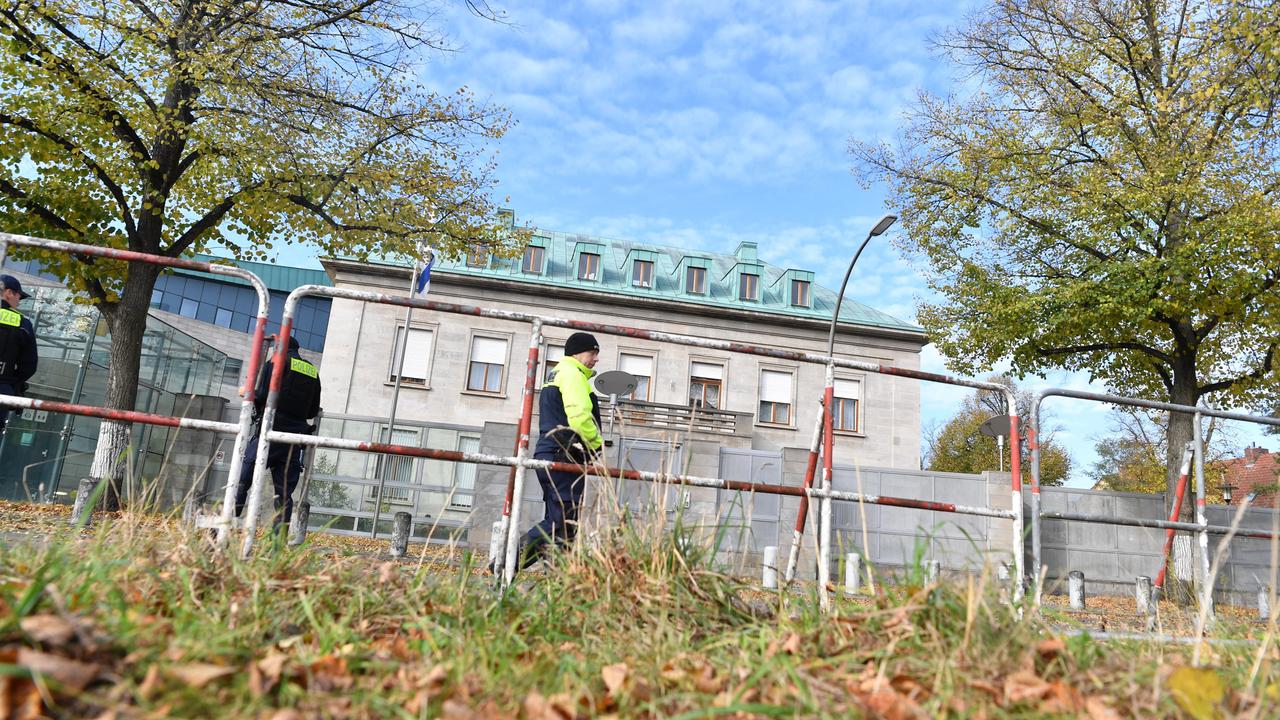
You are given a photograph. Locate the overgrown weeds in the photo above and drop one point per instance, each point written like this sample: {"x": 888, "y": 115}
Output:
{"x": 144, "y": 620}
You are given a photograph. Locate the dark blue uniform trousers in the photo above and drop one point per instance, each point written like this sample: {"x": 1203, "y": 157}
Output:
{"x": 285, "y": 463}
{"x": 6, "y": 388}
{"x": 562, "y": 496}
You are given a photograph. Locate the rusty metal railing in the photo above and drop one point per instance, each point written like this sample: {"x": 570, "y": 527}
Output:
{"x": 241, "y": 430}
{"x": 1201, "y": 527}
{"x": 515, "y": 488}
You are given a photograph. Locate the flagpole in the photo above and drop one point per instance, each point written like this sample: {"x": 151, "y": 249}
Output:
{"x": 414, "y": 274}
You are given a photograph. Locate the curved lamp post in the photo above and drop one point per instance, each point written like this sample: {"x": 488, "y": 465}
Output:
{"x": 828, "y": 439}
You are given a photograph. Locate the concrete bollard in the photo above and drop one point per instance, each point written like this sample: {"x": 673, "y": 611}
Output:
{"x": 1075, "y": 589}
{"x": 191, "y": 508}
{"x": 400, "y": 528}
{"x": 298, "y": 524}
{"x": 852, "y": 573}
{"x": 82, "y": 507}
{"x": 496, "y": 543}
{"x": 1264, "y": 603}
{"x": 1142, "y": 595}
{"x": 769, "y": 574}
{"x": 935, "y": 570}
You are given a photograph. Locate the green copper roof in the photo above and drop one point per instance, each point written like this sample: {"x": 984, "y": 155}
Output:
{"x": 560, "y": 268}
{"x": 278, "y": 278}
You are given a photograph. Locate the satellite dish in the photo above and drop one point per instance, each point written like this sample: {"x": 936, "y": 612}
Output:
{"x": 996, "y": 426}
{"x": 615, "y": 382}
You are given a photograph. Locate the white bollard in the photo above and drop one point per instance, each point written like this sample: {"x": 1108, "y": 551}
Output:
{"x": 495, "y": 548}
{"x": 1142, "y": 595}
{"x": 935, "y": 570}
{"x": 852, "y": 573}
{"x": 1264, "y": 603}
{"x": 1075, "y": 588}
{"x": 770, "y": 572}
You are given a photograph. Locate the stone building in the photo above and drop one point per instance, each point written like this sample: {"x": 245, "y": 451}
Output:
{"x": 704, "y": 412}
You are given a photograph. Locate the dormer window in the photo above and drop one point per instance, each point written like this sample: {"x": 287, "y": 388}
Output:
{"x": 748, "y": 285}
{"x": 642, "y": 273}
{"x": 533, "y": 257}
{"x": 800, "y": 293}
{"x": 588, "y": 266}
{"x": 478, "y": 256}
{"x": 695, "y": 281}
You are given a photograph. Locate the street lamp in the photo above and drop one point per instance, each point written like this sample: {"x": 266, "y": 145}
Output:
{"x": 879, "y": 229}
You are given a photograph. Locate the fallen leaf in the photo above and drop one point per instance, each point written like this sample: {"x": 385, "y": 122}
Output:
{"x": 1062, "y": 699}
{"x": 70, "y": 674}
{"x": 1099, "y": 710}
{"x": 1198, "y": 691}
{"x": 614, "y": 676}
{"x": 286, "y": 714}
{"x": 330, "y": 673}
{"x": 537, "y": 707}
{"x": 149, "y": 682}
{"x": 909, "y": 687}
{"x": 454, "y": 710}
{"x": 1050, "y": 649}
{"x": 19, "y": 699}
{"x": 48, "y": 629}
{"x": 791, "y": 645}
{"x": 1023, "y": 686}
{"x": 891, "y": 705}
{"x": 197, "y": 675}
{"x": 272, "y": 666}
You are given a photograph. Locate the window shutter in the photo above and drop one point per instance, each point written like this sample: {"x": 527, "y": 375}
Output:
{"x": 711, "y": 371}
{"x": 636, "y": 365}
{"x": 849, "y": 389}
{"x": 775, "y": 386}
{"x": 489, "y": 350}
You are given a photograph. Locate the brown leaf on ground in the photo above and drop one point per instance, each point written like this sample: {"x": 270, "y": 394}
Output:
{"x": 909, "y": 687}
{"x": 197, "y": 675}
{"x": 1062, "y": 699}
{"x": 286, "y": 714}
{"x": 792, "y": 644}
{"x": 1024, "y": 686}
{"x": 615, "y": 677}
{"x": 1099, "y": 710}
{"x": 19, "y": 698}
{"x": 149, "y": 682}
{"x": 71, "y": 674}
{"x": 1050, "y": 649}
{"x": 454, "y": 710}
{"x": 537, "y": 707}
{"x": 48, "y": 629}
{"x": 330, "y": 673}
{"x": 272, "y": 667}
{"x": 891, "y": 705}
{"x": 987, "y": 687}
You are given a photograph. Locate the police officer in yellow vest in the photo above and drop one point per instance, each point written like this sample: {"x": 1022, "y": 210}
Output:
{"x": 299, "y": 403}
{"x": 569, "y": 431}
{"x": 18, "y": 357}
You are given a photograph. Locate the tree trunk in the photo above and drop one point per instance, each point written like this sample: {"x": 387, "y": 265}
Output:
{"x": 127, "y": 321}
{"x": 1180, "y": 587}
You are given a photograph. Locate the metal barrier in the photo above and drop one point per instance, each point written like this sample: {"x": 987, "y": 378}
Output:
{"x": 515, "y": 487}
{"x": 241, "y": 430}
{"x": 1201, "y": 527}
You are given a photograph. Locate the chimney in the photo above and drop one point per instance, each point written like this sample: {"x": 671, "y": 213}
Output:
{"x": 1252, "y": 453}
{"x": 746, "y": 252}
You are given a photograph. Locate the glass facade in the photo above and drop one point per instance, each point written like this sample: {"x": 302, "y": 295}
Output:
{"x": 235, "y": 306}
{"x": 43, "y": 455}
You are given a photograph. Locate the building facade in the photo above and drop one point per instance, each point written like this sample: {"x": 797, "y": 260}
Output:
{"x": 463, "y": 375}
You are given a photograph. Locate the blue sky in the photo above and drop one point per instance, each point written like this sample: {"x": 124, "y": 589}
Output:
{"x": 703, "y": 124}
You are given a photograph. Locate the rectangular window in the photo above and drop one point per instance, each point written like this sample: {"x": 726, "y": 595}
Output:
{"x": 747, "y": 286}
{"x": 706, "y": 384}
{"x": 641, "y": 366}
{"x": 695, "y": 281}
{"x": 533, "y": 260}
{"x": 844, "y": 411}
{"x": 417, "y": 356}
{"x": 775, "y": 397}
{"x": 400, "y": 469}
{"x": 642, "y": 273}
{"x": 488, "y": 356}
{"x": 553, "y": 355}
{"x": 478, "y": 256}
{"x": 189, "y": 308}
{"x": 223, "y": 317}
{"x": 800, "y": 293}
{"x": 588, "y": 266}
{"x": 464, "y": 474}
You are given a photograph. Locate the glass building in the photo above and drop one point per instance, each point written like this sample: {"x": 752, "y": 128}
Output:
{"x": 43, "y": 455}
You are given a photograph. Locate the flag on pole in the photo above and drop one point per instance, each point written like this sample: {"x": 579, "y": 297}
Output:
{"x": 424, "y": 273}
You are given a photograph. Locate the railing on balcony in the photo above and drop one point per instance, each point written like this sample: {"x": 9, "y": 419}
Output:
{"x": 638, "y": 413}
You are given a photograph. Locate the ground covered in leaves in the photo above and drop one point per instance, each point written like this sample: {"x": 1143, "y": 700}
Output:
{"x": 139, "y": 619}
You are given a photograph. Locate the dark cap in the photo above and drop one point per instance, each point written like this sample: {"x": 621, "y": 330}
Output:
{"x": 11, "y": 283}
{"x": 293, "y": 343}
{"x": 580, "y": 342}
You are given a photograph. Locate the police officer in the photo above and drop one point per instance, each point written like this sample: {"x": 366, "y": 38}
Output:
{"x": 18, "y": 356}
{"x": 299, "y": 403}
{"x": 569, "y": 431}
